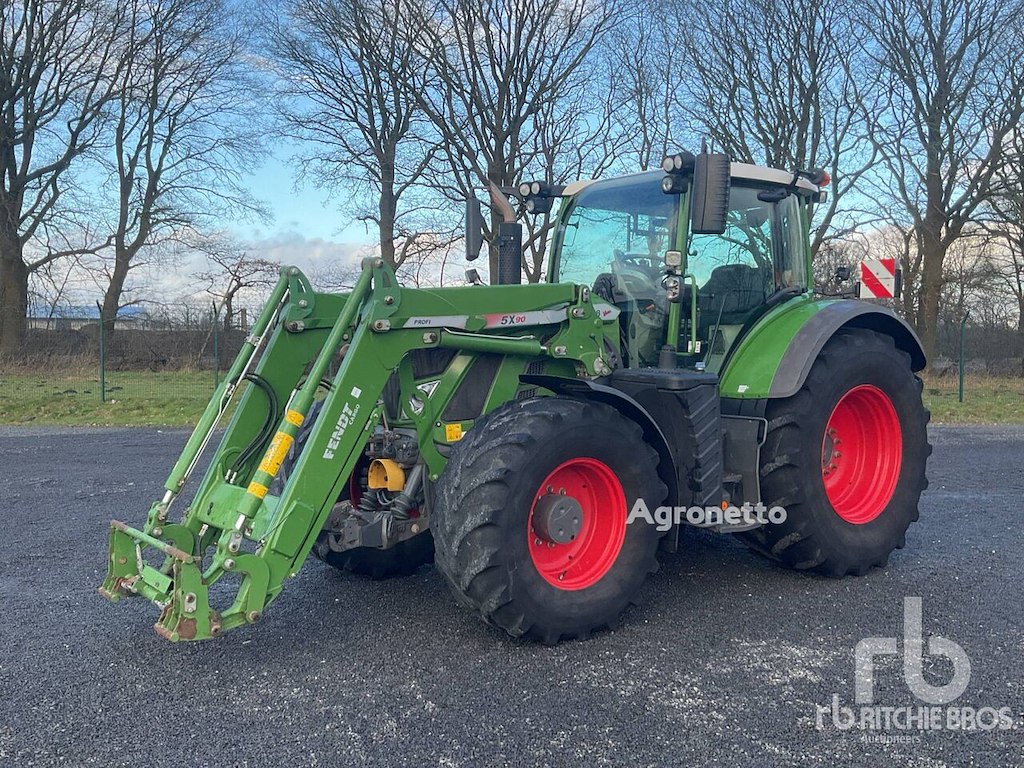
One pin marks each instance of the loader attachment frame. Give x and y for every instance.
(242, 535)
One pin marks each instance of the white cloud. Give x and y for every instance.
(308, 254)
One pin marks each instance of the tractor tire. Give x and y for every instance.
(403, 559)
(845, 457)
(530, 523)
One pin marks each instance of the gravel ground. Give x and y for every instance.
(724, 663)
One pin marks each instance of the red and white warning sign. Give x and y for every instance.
(878, 278)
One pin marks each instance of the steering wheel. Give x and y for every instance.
(637, 277)
(641, 261)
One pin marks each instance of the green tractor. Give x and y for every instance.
(541, 443)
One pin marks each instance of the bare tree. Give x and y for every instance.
(60, 62)
(338, 276)
(1003, 220)
(646, 58)
(789, 96)
(234, 271)
(350, 75)
(434, 268)
(50, 288)
(498, 71)
(951, 70)
(573, 137)
(970, 277)
(181, 131)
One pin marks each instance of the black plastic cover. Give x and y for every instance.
(671, 379)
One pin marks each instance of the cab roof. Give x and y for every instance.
(744, 171)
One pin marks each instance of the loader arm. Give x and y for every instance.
(242, 535)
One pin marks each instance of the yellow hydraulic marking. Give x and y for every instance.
(257, 490)
(275, 453)
(452, 432)
(294, 417)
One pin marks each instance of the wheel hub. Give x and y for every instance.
(830, 454)
(557, 518)
(577, 523)
(861, 454)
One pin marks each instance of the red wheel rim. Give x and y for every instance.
(583, 561)
(861, 454)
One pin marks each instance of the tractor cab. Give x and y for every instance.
(686, 294)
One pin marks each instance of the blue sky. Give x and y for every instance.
(299, 208)
(306, 228)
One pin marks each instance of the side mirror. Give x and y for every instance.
(709, 203)
(842, 274)
(474, 228)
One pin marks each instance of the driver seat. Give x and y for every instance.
(736, 290)
(641, 320)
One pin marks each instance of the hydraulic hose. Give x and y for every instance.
(273, 411)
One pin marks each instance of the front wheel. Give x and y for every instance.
(531, 526)
(845, 457)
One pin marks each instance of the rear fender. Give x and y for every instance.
(774, 358)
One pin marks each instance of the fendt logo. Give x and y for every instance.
(348, 415)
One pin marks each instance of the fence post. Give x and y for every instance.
(103, 356)
(963, 326)
(216, 347)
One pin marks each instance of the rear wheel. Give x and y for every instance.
(845, 457)
(530, 525)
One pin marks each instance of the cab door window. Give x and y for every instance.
(792, 240)
(734, 271)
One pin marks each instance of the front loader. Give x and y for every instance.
(521, 435)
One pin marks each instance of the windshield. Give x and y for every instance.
(614, 239)
(616, 226)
